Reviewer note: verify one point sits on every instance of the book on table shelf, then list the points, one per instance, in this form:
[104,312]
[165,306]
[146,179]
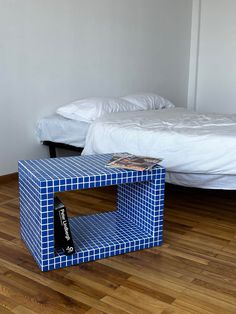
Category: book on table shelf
[62,233]
[132,162]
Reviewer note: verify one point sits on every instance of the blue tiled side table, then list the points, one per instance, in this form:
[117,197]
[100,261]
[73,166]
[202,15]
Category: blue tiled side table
[136,224]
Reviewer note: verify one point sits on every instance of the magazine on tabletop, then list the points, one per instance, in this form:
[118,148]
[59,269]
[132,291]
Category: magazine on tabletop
[133,162]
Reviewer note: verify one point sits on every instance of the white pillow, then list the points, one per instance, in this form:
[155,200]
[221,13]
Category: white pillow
[149,101]
[90,109]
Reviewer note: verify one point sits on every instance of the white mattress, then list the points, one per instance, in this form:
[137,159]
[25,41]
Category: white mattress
[61,130]
[198,150]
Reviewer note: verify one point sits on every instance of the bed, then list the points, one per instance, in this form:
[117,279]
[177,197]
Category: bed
[56,131]
[69,126]
[198,150]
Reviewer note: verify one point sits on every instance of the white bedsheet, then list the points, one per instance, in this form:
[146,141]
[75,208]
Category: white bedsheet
[61,130]
[188,142]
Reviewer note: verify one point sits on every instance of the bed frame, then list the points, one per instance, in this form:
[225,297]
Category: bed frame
[52,146]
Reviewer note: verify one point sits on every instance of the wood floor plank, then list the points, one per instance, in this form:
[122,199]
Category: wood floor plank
[193,272]
[6,302]
[40,297]
[4,310]
[22,310]
[122,306]
[205,302]
[139,300]
[4,198]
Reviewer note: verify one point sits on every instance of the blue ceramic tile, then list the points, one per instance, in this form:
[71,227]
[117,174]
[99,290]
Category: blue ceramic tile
[136,224]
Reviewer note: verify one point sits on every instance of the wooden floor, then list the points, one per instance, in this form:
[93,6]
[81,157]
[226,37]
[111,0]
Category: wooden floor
[193,272]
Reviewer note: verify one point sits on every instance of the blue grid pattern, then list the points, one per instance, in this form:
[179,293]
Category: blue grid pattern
[137,223]
[143,204]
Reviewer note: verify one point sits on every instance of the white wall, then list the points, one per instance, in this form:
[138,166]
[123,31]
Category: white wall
[216,67]
[56,51]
